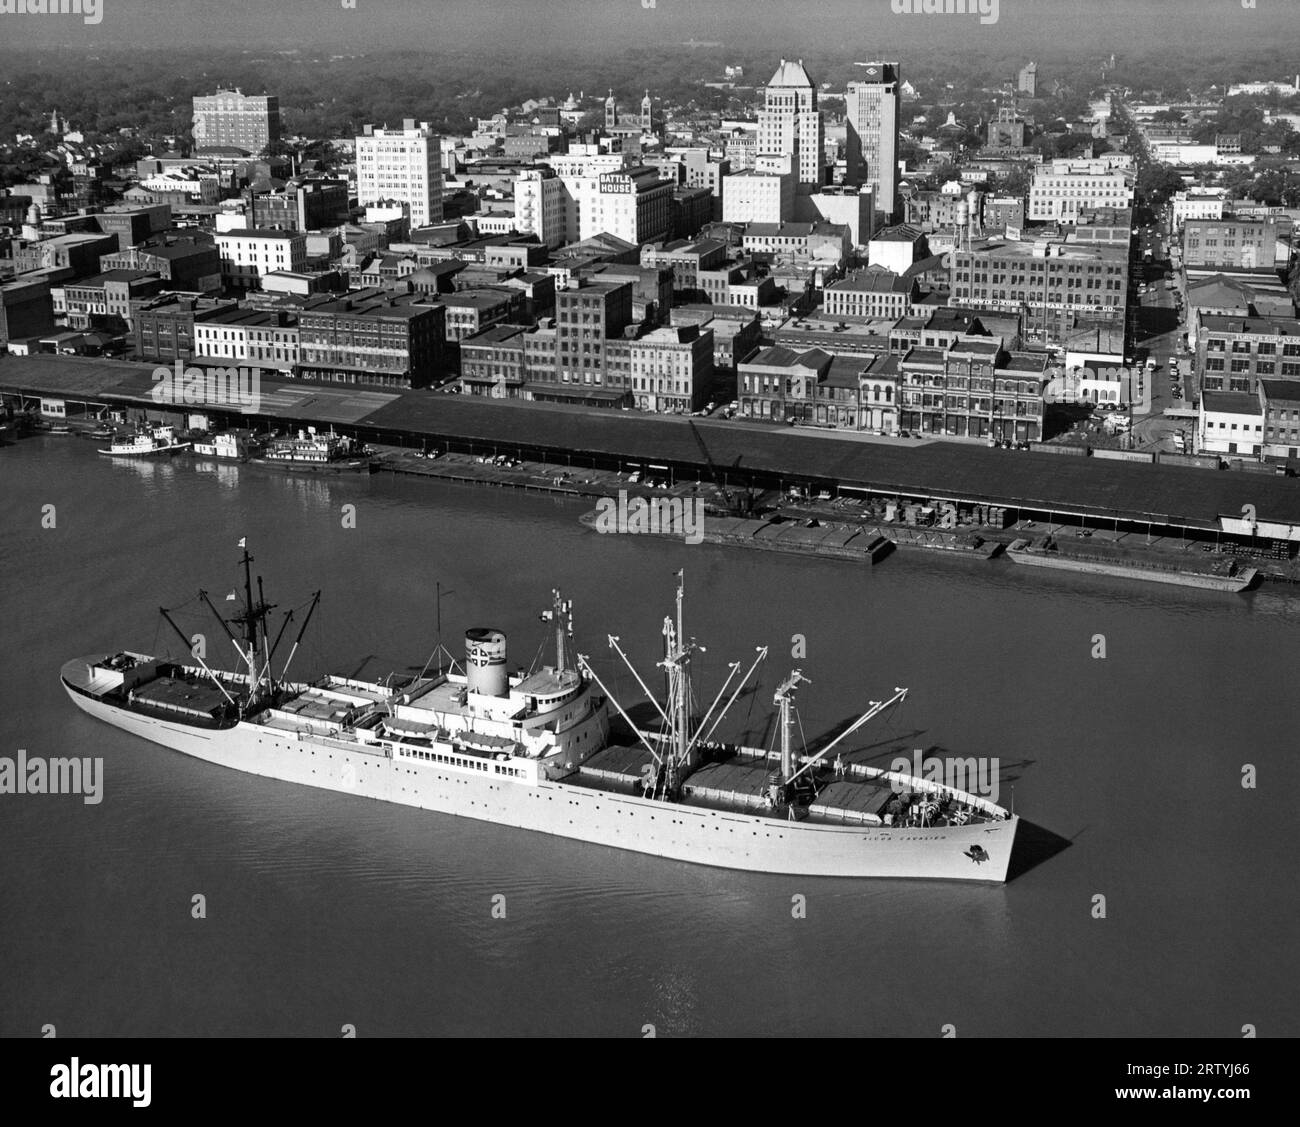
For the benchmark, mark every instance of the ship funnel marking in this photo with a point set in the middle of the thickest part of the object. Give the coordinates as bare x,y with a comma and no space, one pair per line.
485,661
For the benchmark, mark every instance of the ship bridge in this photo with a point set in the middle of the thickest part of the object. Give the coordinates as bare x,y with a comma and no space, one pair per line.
546,689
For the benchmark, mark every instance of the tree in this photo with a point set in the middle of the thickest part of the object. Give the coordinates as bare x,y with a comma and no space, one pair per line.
1016,183
1156,185
278,148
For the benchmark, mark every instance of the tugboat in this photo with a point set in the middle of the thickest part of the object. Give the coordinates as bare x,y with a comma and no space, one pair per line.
151,441
533,751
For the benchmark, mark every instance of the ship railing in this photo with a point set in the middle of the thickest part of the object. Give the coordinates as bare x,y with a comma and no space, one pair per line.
981,806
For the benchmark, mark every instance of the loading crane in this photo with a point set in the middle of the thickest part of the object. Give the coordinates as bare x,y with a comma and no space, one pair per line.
742,505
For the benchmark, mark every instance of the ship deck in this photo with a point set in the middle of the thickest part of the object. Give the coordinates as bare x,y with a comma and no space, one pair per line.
187,697
313,704
739,784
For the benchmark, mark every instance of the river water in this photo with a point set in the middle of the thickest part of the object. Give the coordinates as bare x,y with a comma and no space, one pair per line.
324,910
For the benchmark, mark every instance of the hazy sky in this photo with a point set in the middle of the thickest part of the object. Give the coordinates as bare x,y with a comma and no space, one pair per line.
789,25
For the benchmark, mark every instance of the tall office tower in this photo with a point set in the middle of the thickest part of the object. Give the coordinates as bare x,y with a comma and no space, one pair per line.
232,119
872,107
404,165
1027,83
791,132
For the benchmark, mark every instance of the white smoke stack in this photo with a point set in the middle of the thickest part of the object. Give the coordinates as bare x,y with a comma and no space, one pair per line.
485,662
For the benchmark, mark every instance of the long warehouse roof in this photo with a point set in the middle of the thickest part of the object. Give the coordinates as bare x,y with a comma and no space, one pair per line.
959,471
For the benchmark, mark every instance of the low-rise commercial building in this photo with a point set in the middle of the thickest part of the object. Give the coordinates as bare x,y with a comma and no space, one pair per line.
162,330
492,364
104,301
1236,353
876,292
1280,401
26,309
671,369
267,339
1232,244
780,384
247,254
185,265
1050,283
1059,191
372,337
1230,423
975,388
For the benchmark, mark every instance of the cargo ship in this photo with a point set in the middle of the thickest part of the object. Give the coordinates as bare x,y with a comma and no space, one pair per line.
1226,576
533,750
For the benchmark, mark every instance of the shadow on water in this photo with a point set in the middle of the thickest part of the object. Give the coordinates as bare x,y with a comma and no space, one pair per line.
1034,845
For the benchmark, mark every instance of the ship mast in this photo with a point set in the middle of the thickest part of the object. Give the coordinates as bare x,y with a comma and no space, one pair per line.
677,664
561,615
783,700
253,622
673,751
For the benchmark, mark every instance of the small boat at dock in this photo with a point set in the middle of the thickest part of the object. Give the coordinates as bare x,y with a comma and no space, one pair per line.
151,441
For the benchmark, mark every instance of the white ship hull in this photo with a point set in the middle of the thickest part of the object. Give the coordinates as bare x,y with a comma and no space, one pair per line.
682,832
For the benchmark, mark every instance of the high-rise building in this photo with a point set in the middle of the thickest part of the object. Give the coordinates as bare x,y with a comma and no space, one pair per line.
791,132
1028,81
602,194
540,206
872,108
233,119
403,165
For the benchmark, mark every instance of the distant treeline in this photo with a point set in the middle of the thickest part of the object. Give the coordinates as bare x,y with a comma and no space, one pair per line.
333,95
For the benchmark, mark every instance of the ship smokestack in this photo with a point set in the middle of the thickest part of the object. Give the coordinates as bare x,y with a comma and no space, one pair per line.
485,662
